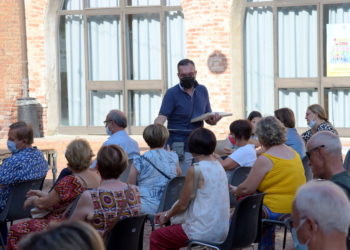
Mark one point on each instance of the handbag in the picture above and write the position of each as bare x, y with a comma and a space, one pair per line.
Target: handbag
181, 218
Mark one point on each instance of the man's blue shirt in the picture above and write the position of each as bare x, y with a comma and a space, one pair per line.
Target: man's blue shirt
25, 164
179, 108
122, 139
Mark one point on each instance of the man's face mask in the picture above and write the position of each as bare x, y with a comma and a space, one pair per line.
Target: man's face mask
188, 82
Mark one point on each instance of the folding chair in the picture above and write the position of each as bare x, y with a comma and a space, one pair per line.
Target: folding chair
14, 207
237, 177
244, 226
127, 234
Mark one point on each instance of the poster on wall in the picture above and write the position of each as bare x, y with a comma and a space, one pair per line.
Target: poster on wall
338, 49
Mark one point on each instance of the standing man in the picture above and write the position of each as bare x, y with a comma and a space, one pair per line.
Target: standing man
325, 158
182, 103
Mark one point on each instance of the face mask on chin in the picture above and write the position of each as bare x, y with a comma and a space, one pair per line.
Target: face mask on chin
11, 145
296, 242
188, 82
108, 131
312, 123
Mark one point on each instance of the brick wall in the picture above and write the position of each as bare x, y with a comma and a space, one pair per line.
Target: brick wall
10, 63
208, 30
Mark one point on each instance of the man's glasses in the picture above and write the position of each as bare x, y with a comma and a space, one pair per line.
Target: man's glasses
308, 153
106, 122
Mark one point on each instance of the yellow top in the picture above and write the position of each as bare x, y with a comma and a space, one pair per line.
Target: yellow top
281, 183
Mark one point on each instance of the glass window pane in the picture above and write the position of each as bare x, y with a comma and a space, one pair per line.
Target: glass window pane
297, 41
105, 53
258, 52
102, 3
72, 5
99, 100
143, 2
337, 25
298, 100
338, 101
173, 2
175, 40
143, 47
144, 106
71, 42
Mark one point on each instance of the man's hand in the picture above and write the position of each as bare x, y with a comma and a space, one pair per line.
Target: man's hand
213, 119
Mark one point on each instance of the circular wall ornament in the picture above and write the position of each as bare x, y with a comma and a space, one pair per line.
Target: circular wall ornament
217, 62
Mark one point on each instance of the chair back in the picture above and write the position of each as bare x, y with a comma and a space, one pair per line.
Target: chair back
307, 170
171, 193
14, 207
347, 161
124, 176
237, 177
127, 234
245, 223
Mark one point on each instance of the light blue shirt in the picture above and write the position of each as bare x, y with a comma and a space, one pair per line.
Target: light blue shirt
122, 139
295, 141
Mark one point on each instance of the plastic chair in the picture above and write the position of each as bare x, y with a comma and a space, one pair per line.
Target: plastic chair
285, 223
171, 193
307, 170
127, 234
244, 225
14, 207
124, 176
237, 177
347, 161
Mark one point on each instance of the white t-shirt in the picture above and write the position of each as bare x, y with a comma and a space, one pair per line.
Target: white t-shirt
245, 156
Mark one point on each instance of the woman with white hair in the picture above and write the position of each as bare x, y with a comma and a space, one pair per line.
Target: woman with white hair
321, 216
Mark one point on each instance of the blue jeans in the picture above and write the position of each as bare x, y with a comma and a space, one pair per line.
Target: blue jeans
186, 163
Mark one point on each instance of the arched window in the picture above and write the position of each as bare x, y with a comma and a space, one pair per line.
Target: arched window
116, 54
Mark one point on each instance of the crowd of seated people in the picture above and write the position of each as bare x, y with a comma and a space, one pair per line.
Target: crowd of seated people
271, 146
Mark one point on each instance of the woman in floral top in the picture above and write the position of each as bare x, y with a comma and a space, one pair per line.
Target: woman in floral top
317, 121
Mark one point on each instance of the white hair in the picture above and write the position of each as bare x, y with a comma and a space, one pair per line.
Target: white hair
326, 203
330, 140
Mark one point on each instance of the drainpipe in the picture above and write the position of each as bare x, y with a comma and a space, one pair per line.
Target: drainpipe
27, 107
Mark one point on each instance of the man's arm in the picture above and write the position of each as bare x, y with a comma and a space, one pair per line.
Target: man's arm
160, 119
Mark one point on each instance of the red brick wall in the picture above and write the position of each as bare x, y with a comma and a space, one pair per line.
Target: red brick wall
10, 63
207, 25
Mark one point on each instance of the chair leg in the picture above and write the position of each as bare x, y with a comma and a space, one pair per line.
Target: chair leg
284, 237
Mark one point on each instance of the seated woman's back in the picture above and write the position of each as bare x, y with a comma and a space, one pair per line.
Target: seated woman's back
150, 181
212, 194
112, 204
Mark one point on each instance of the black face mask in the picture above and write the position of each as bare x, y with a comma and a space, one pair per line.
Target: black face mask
188, 82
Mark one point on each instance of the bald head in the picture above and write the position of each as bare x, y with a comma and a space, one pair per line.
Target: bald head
118, 118
330, 141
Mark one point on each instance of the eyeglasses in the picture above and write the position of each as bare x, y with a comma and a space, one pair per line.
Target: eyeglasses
106, 122
308, 153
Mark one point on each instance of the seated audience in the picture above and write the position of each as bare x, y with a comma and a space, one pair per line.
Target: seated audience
78, 155
321, 217
65, 236
254, 117
317, 121
294, 140
112, 200
278, 173
245, 154
325, 158
26, 163
206, 207
152, 171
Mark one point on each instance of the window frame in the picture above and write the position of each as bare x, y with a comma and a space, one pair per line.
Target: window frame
124, 85
321, 82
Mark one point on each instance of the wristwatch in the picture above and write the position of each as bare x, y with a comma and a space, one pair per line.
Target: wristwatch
166, 215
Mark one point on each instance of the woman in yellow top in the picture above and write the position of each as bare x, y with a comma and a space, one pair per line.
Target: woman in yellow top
278, 173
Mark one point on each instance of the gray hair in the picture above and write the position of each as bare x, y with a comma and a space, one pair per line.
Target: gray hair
118, 117
330, 140
326, 203
270, 131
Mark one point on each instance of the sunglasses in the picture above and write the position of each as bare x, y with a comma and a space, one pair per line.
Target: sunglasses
308, 153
